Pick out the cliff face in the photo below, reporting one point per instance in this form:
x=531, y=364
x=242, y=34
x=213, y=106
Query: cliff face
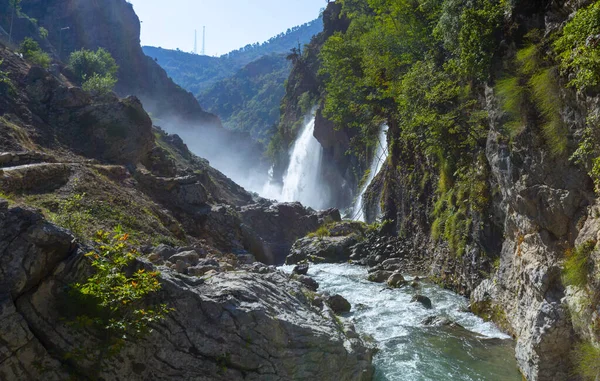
x=510, y=247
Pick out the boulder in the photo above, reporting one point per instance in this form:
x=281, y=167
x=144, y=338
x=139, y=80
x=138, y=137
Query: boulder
x=190, y=257
x=301, y=269
x=308, y=282
x=201, y=270
x=425, y=301
x=338, y=304
x=270, y=230
x=321, y=249
x=396, y=280
x=165, y=251
x=379, y=276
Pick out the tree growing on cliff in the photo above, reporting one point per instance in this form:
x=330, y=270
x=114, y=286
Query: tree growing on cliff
x=34, y=54
x=96, y=71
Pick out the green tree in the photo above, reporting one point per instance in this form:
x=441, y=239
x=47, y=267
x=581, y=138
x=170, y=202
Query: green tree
x=34, y=54
x=85, y=63
x=96, y=71
x=114, y=300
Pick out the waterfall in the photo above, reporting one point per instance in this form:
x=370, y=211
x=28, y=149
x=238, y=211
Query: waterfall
x=301, y=181
x=381, y=153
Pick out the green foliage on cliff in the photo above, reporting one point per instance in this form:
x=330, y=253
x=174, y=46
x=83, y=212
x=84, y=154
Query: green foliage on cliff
x=534, y=85
x=6, y=84
x=115, y=299
x=578, y=48
x=587, y=361
x=416, y=62
x=577, y=265
x=34, y=54
x=95, y=70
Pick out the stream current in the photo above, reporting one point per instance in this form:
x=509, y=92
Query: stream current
x=409, y=350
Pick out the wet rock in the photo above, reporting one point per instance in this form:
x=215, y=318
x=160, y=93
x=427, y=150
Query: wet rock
x=321, y=249
x=396, y=280
x=338, y=304
x=301, y=269
x=308, y=282
x=438, y=321
x=425, y=301
x=379, y=276
x=318, y=302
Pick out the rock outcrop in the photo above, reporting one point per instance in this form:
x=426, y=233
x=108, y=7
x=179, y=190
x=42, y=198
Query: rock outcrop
x=229, y=326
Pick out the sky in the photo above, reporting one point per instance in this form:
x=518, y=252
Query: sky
x=229, y=24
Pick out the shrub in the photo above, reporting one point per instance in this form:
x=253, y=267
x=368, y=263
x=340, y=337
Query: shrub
x=6, y=84
x=116, y=295
x=43, y=32
x=34, y=54
x=86, y=63
x=99, y=85
x=587, y=361
x=577, y=48
x=546, y=95
x=321, y=232
x=577, y=265
x=72, y=214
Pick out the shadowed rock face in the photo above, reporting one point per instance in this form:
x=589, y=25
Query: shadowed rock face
x=233, y=326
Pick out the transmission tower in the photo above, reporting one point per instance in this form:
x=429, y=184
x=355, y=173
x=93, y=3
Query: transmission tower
x=203, y=40
x=195, y=41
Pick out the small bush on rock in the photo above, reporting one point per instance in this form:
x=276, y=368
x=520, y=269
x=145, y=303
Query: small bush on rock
x=95, y=70
x=577, y=265
x=587, y=361
x=116, y=295
x=34, y=54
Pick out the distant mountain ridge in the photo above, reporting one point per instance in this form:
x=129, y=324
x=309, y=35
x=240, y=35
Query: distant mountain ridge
x=196, y=73
x=243, y=87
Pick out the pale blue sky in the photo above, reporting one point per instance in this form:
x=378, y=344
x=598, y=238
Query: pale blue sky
x=229, y=24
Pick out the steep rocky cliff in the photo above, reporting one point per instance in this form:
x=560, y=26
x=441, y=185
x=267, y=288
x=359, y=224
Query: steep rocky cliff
x=503, y=211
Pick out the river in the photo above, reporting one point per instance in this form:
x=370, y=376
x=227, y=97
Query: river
x=409, y=350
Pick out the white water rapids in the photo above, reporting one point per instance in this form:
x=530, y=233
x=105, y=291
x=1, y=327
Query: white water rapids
x=301, y=181
x=410, y=351
x=381, y=153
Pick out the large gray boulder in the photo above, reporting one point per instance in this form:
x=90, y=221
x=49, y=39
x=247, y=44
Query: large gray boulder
x=269, y=230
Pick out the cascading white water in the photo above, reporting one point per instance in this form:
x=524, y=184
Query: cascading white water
x=301, y=181
x=410, y=350
x=381, y=154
